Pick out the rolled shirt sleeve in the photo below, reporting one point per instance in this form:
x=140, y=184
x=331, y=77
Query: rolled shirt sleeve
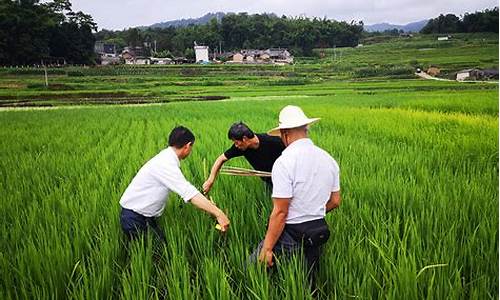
x=282, y=181
x=175, y=181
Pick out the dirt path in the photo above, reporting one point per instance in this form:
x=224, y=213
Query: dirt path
x=427, y=76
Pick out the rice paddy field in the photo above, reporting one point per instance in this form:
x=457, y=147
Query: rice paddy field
x=419, y=182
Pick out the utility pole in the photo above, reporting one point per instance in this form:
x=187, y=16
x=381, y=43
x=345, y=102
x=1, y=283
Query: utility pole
x=46, y=76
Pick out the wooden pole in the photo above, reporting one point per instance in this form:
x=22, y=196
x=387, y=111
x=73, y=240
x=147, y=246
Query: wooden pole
x=46, y=76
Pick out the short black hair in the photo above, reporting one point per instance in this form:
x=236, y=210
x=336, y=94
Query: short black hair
x=239, y=130
x=180, y=136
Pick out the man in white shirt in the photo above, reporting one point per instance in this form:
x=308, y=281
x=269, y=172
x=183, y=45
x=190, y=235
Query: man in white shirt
x=145, y=198
x=306, y=185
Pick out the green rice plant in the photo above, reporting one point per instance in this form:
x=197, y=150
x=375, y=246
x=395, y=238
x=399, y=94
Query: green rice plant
x=419, y=179
x=418, y=218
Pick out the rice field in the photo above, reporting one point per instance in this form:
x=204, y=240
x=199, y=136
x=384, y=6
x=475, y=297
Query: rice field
x=419, y=167
x=419, y=217
x=371, y=69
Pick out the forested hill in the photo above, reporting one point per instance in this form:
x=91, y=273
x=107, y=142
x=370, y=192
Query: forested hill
x=237, y=31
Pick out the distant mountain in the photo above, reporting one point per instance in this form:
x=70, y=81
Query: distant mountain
x=415, y=26
x=186, y=22
x=410, y=27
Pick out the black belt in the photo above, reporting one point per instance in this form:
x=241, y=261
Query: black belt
x=311, y=233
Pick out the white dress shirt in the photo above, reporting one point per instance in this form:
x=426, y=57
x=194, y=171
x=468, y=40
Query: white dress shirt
x=148, y=192
x=308, y=175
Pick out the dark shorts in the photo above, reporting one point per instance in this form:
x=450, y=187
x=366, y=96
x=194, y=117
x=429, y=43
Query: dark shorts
x=135, y=225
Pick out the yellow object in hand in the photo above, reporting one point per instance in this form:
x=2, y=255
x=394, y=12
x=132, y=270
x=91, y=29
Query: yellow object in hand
x=218, y=227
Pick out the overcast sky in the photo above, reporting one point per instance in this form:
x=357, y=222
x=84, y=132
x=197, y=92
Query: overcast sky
x=119, y=14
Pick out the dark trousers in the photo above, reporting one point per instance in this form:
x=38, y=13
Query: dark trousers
x=311, y=235
x=135, y=225
x=296, y=236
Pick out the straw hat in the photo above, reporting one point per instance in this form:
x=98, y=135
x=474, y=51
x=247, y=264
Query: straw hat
x=291, y=117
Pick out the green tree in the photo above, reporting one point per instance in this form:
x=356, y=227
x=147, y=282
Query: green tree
x=486, y=21
x=443, y=24
x=133, y=37
x=31, y=31
x=24, y=32
x=189, y=53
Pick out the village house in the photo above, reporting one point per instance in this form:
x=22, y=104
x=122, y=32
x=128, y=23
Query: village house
x=406, y=35
x=161, y=60
x=127, y=55
x=138, y=61
x=238, y=57
x=252, y=52
x=106, y=53
x=476, y=74
x=280, y=55
x=181, y=60
x=444, y=38
x=102, y=48
x=490, y=74
x=265, y=57
x=271, y=55
x=134, y=56
x=433, y=71
x=224, y=56
x=463, y=74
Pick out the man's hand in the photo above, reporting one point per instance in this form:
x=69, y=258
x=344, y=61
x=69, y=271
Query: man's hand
x=207, y=185
x=203, y=203
x=223, y=222
x=275, y=229
x=266, y=256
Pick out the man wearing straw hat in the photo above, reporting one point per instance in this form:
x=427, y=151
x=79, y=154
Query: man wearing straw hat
x=260, y=150
x=306, y=185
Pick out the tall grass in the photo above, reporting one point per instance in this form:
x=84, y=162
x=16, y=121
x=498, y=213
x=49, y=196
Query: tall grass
x=419, y=217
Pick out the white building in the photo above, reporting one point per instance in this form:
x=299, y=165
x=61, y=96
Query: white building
x=201, y=53
x=138, y=61
x=462, y=75
x=160, y=60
